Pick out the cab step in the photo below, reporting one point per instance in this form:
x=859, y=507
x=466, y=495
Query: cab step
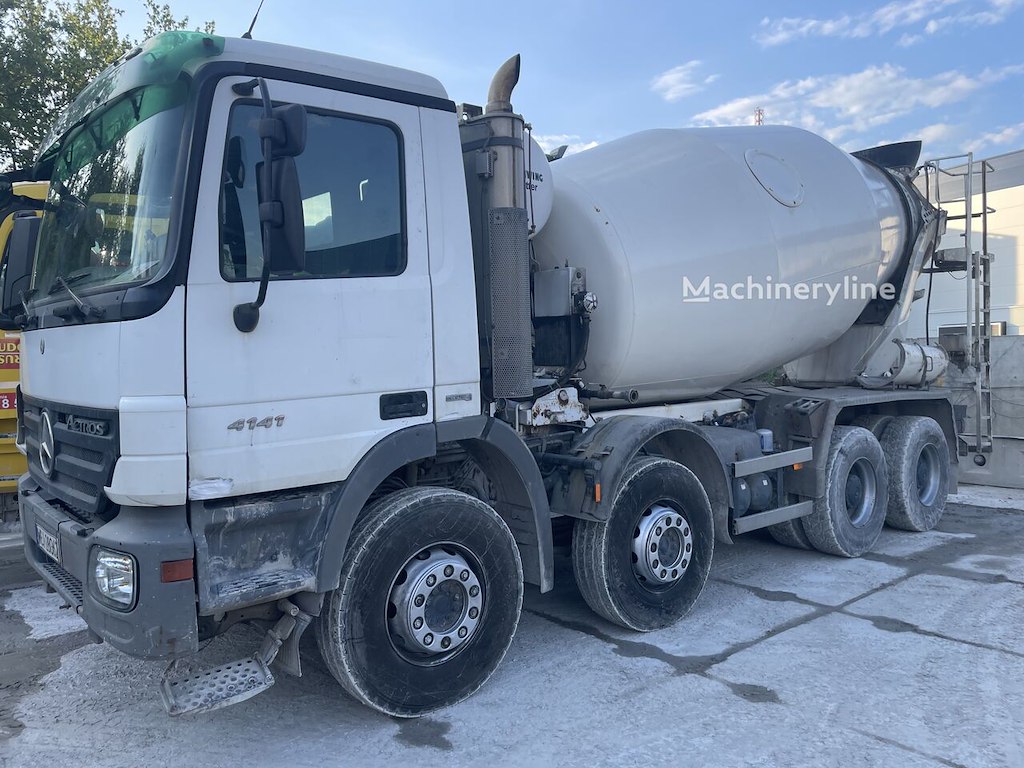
x=239, y=680
x=218, y=687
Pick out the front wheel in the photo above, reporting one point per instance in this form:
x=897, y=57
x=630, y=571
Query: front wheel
x=646, y=566
x=429, y=598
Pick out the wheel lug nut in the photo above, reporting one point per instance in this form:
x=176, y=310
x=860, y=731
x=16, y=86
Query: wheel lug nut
x=417, y=624
x=448, y=571
x=473, y=613
x=654, y=547
x=663, y=572
x=474, y=591
x=464, y=576
x=428, y=639
x=463, y=631
x=445, y=642
x=655, y=564
x=418, y=602
x=431, y=580
x=658, y=531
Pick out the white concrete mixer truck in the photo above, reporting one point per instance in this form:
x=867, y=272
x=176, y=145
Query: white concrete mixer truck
x=307, y=345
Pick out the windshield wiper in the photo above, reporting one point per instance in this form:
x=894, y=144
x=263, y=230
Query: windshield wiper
x=26, y=297
x=87, y=309
x=61, y=283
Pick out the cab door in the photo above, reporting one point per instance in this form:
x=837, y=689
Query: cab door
x=343, y=352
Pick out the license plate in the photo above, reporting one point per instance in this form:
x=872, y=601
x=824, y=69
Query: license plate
x=47, y=542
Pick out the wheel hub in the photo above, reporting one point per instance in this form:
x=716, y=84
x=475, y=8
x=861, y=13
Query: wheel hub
x=860, y=492
x=435, y=602
x=929, y=475
x=662, y=545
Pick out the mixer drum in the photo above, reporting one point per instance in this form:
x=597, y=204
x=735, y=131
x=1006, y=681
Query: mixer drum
x=695, y=242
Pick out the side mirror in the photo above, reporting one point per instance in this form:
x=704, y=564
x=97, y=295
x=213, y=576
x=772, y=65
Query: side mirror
x=284, y=214
x=16, y=272
x=286, y=129
x=282, y=132
x=6, y=190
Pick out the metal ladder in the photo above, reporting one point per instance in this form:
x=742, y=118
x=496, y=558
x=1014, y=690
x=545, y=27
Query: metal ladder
x=962, y=171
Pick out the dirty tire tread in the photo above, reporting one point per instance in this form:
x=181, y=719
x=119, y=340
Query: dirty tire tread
x=790, y=534
x=828, y=528
x=373, y=525
x=591, y=556
x=901, y=445
x=875, y=423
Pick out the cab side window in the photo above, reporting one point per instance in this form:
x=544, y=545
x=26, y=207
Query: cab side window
x=350, y=176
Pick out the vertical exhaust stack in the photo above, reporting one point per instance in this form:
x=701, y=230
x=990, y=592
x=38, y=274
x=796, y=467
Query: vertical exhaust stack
x=494, y=159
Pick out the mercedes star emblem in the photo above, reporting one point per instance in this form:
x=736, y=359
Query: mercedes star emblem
x=47, y=446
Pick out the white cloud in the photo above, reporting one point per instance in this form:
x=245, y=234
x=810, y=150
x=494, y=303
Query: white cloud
x=932, y=134
x=994, y=12
x=1002, y=137
x=551, y=142
x=841, y=106
x=681, y=81
x=935, y=15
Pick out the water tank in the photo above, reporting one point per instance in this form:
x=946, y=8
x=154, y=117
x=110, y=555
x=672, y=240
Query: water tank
x=655, y=216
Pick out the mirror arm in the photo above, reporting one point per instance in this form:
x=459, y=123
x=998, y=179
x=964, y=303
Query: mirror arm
x=247, y=316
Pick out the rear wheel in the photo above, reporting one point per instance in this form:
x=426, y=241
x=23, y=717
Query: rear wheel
x=849, y=515
x=875, y=423
x=918, y=457
x=429, y=599
x=646, y=566
x=790, y=534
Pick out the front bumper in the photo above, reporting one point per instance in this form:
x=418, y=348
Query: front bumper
x=162, y=622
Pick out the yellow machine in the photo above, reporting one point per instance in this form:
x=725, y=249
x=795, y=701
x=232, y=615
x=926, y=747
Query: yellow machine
x=26, y=196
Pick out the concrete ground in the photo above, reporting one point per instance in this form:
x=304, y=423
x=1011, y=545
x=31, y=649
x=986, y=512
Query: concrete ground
x=911, y=656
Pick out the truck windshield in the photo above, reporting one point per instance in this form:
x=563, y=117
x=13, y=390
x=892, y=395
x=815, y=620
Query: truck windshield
x=106, y=216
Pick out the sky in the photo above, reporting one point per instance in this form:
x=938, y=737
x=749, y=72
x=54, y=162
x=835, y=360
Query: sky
x=949, y=72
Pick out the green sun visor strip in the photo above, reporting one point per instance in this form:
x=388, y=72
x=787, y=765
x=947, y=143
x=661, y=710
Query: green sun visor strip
x=161, y=60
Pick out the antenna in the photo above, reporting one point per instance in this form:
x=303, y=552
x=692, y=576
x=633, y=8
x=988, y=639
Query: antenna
x=248, y=32
x=758, y=116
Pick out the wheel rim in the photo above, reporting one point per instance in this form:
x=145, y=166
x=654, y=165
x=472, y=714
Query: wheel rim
x=861, y=487
x=435, y=604
x=929, y=475
x=662, y=546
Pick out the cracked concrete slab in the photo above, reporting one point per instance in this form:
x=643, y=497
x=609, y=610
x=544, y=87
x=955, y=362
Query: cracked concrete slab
x=807, y=575
x=935, y=696
x=769, y=669
x=1010, y=566
x=949, y=607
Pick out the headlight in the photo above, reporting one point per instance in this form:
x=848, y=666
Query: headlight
x=115, y=576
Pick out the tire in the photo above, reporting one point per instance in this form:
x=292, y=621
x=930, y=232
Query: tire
x=615, y=582
x=790, y=534
x=916, y=451
x=849, y=515
x=396, y=545
x=875, y=423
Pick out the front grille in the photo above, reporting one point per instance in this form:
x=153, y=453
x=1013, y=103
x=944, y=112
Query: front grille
x=83, y=463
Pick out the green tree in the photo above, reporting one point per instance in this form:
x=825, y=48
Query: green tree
x=160, y=18
x=48, y=53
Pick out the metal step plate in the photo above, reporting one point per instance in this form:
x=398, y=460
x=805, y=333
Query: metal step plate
x=217, y=687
